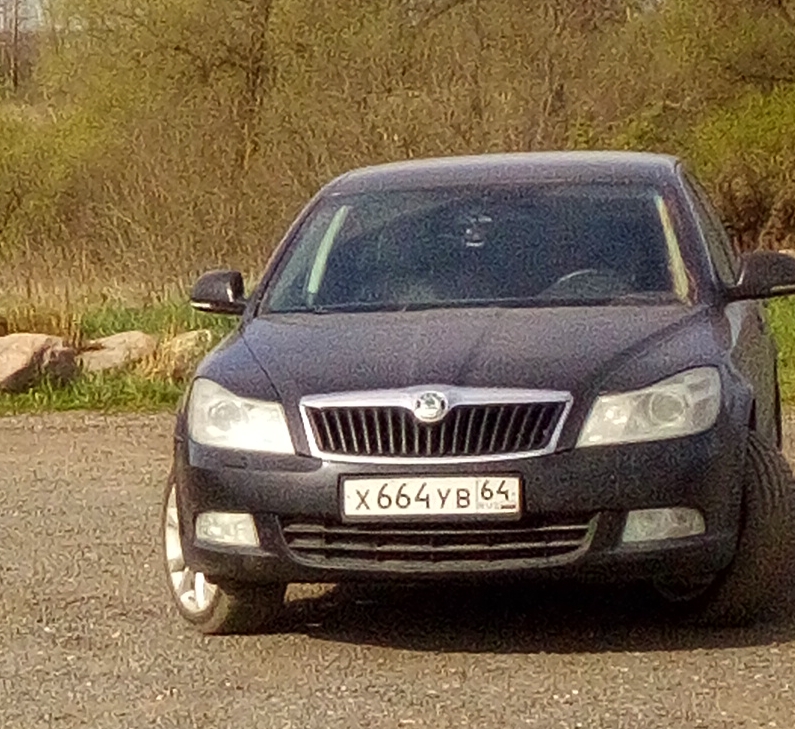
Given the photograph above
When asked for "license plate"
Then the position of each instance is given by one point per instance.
(388, 498)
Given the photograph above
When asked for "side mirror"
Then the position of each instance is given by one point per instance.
(765, 274)
(219, 292)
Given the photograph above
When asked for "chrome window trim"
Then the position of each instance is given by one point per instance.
(405, 397)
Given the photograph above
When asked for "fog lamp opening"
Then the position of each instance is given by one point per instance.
(651, 525)
(227, 529)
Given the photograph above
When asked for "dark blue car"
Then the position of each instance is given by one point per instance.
(532, 365)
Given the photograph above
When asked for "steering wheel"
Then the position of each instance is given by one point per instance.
(582, 272)
(585, 281)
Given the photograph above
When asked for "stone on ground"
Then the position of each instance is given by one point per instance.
(116, 351)
(26, 358)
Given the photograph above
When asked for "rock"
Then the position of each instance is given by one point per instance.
(116, 351)
(189, 344)
(60, 363)
(26, 358)
(177, 356)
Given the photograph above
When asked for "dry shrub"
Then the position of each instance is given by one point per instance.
(744, 198)
(176, 356)
(779, 231)
(27, 317)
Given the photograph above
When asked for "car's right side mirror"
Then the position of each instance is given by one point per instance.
(219, 292)
(765, 274)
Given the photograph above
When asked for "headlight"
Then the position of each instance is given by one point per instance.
(217, 417)
(685, 404)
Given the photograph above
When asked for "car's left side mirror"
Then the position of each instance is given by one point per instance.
(219, 292)
(763, 275)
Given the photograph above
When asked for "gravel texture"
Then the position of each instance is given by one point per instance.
(89, 639)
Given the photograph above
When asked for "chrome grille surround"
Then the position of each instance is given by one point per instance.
(404, 399)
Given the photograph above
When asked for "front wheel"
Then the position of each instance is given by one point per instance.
(213, 609)
(759, 581)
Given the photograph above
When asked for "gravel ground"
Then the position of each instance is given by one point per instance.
(88, 638)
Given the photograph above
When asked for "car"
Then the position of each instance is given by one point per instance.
(525, 366)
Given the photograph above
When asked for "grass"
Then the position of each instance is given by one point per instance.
(110, 393)
(160, 318)
(168, 317)
(781, 317)
(131, 390)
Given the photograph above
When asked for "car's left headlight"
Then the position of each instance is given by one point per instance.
(685, 404)
(217, 417)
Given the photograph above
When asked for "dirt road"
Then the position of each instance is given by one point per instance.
(88, 639)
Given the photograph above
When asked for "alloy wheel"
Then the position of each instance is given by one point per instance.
(193, 590)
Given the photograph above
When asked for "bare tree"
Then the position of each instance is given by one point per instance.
(12, 17)
(5, 24)
(15, 18)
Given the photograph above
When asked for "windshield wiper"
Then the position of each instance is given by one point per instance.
(341, 308)
(648, 297)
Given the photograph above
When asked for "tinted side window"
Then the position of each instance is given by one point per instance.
(718, 241)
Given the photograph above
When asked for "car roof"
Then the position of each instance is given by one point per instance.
(512, 168)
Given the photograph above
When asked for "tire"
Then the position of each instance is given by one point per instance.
(758, 584)
(213, 609)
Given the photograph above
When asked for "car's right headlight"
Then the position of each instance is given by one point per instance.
(219, 418)
(685, 404)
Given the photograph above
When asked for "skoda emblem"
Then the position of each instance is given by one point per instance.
(430, 407)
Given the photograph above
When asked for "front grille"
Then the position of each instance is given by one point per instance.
(468, 430)
(534, 541)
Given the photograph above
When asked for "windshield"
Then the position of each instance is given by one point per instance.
(541, 245)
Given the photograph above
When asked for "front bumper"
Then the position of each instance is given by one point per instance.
(593, 486)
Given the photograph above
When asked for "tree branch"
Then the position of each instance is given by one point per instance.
(759, 77)
(422, 12)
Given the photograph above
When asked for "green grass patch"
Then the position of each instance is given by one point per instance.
(781, 316)
(163, 318)
(105, 392)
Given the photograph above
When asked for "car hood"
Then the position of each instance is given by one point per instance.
(569, 348)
